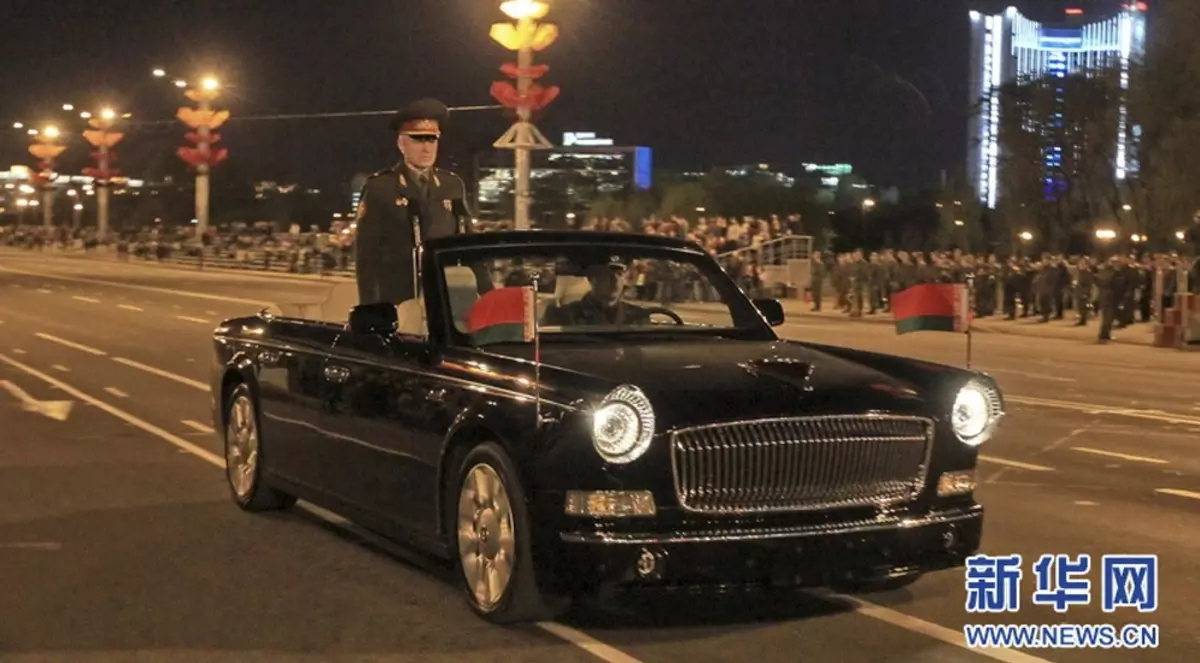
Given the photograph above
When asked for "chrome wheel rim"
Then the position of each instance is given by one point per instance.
(241, 446)
(486, 539)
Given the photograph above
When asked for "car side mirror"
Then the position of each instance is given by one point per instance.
(771, 309)
(373, 319)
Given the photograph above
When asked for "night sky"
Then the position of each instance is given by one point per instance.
(877, 83)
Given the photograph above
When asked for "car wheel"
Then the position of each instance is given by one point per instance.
(492, 531)
(244, 453)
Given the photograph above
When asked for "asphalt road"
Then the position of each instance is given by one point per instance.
(118, 541)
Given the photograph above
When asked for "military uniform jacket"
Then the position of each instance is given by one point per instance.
(393, 214)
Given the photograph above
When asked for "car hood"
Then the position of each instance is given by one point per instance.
(695, 382)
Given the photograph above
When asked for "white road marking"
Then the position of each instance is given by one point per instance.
(176, 306)
(1015, 463)
(60, 368)
(118, 413)
(46, 291)
(1114, 454)
(116, 392)
(32, 545)
(211, 313)
(144, 288)
(127, 307)
(86, 299)
(1084, 503)
(196, 425)
(1178, 493)
(935, 631)
(1092, 408)
(195, 384)
(587, 643)
(190, 319)
(18, 351)
(57, 410)
(71, 344)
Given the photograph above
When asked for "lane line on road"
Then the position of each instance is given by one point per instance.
(1114, 454)
(587, 643)
(937, 632)
(1015, 463)
(46, 291)
(89, 300)
(127, 307)
(60, 368)
(71, 344)
(18, 351)
(197, 426)
(179, 442)
(116, 392)
(195, 384)
(1178, 493)
(1092, 408)
(145, 288)
(191, 319)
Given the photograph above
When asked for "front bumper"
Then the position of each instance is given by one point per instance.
(802, 556)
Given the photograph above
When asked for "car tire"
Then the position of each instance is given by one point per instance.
(491, 531)
(244, 455)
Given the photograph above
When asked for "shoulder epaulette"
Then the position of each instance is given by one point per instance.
(381, 173)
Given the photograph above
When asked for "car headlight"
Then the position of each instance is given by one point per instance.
(623, 425)
(977, 409)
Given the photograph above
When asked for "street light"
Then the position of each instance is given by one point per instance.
(210, 83)
(159, 73)
(180, 83)
(1135, 238)
(868, 203)
(959, 222)
(1180, 235)
(50, 132)
(1106, 234)
(85, 115)
(1126, 207)
(519, 10)
(108, 114)
(18, 125)
(1026, 236)
(68, 107)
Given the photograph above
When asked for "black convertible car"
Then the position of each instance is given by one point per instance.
(567, 412)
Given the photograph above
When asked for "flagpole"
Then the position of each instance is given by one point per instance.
(970, 312)
(537, 351)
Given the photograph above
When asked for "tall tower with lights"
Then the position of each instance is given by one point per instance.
(1009, 46)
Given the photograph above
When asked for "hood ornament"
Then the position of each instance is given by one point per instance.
(796, 372)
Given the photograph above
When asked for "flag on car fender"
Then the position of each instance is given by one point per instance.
(932, 307)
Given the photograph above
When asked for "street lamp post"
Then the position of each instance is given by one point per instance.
(104, 139)
(525, 38)
(204, 121)
(46, 149)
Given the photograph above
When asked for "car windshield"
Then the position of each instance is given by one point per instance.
(592, 290)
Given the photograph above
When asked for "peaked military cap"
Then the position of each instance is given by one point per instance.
(424, 117)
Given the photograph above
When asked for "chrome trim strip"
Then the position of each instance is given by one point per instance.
(756, 466)
(883, 523)
(329, 355)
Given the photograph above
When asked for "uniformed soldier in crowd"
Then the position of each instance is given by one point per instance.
(409, 203)
(1106, 277)
(1085, 280)
(817, 280)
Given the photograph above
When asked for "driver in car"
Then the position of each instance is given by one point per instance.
(602, 305)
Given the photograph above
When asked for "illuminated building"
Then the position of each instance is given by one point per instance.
(1010, 47)
(565, 180)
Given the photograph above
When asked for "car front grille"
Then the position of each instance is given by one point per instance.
(801, 463)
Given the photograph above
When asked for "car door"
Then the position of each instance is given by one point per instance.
(381, 412)
(292, 393)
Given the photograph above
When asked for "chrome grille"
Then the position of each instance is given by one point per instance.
(801, 463)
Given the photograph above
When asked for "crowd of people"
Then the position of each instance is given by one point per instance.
(1118, 289)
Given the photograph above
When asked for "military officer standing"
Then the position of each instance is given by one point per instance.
(409, 203)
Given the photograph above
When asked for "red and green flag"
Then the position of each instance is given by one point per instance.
(503, 315)
(932, 307)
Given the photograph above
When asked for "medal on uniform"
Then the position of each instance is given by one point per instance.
(402, 202)
(447, 205)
